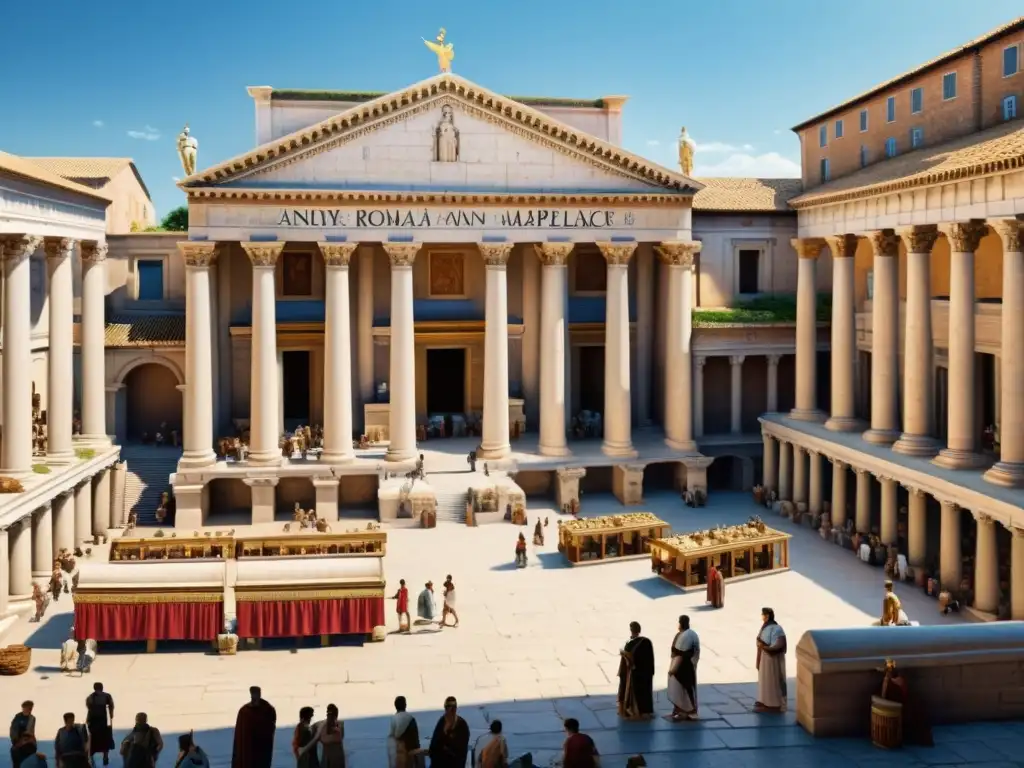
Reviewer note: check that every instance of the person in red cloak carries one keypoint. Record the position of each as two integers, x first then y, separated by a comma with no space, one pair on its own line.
254,733
716,588
402,598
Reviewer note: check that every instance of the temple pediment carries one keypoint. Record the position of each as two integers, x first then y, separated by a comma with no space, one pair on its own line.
444,135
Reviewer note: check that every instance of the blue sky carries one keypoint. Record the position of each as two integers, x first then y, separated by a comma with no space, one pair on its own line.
120,78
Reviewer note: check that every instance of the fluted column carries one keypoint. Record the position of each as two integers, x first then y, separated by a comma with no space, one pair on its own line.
814,500
264,405
16,451
1017,574
198,433
402,412
769,471
1009,471
917,528
862,521
962,424
337,355
63,522
83,512
785,471
799,475
42,542
844,335
773,383
617,418
807,250
92,344
986,566
554,353
950,555
494,442
678,260
918,358
698,395
839,478
885,353
60,394
20,538
890,502
736,412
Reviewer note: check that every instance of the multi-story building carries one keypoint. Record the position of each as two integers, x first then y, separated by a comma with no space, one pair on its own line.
913,199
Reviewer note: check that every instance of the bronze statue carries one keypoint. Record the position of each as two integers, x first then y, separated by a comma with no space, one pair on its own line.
445,51
686,150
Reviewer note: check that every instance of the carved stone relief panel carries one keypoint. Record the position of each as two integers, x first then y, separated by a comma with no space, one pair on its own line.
447,274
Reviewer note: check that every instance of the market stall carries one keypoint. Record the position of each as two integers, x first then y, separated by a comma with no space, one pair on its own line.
216,546
613,537
371,543
738,552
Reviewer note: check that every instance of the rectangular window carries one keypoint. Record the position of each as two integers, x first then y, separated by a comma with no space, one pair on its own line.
890,109
823,136
749,267
1011,60
151,279
949,86
839,129
890,147
1009,108
824,170
863,156
916,101
297,275
916,137
863,120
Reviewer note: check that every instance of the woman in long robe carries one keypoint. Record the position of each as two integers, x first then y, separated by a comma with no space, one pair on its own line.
449,745
330,733
682,673
771,665
636,676
403,737
716,588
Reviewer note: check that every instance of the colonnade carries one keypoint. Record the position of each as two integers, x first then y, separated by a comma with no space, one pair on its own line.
199,256
736,391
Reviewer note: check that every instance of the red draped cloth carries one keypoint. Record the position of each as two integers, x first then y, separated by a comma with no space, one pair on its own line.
148,621
310,618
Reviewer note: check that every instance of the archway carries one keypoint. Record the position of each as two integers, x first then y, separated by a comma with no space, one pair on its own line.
151,399
731,473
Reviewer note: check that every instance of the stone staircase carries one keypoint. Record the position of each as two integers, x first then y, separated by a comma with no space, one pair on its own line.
451,505
149,470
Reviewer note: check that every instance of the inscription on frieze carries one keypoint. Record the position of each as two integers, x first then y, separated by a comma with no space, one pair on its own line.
425,218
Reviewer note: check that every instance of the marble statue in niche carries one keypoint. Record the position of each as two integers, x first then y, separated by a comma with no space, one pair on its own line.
447,277
446,137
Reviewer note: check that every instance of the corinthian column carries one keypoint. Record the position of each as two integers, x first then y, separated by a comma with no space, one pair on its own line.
60,396
494,440
807,250
678,259
617,418
92,345
885,353
337,355
553,351
844,334
16,451
198,437
1010,469
402,410
962,431
264,419
918,362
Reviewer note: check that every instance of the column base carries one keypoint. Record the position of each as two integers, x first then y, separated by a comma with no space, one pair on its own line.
336,457
97,440
1008,474
264,458
881,436
619,450
683,446
494,451
958,458
801,414
197,459
844,424
916,445
63,457
400,454
554,450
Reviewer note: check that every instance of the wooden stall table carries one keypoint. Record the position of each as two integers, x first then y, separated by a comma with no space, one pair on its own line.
613,537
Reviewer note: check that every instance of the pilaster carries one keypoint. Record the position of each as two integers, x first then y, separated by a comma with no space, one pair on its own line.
628,483
567,486
263,498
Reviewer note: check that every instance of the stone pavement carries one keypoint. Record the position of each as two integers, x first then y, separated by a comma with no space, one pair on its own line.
534,646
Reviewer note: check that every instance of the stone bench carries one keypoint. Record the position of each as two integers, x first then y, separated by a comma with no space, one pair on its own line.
964,673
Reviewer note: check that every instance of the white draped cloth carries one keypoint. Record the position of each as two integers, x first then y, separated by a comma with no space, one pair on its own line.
677,694
771,671
399,722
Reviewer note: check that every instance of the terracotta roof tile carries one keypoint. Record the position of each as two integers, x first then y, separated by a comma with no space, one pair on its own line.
19,166
142,331
995,150
83,167
747,195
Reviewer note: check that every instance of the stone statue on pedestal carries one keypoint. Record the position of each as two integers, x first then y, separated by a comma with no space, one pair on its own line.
447,137
188,149
686,150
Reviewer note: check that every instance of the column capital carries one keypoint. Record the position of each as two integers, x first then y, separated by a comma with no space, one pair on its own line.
919,239
59,248
947,503
198,254
402,254
553,254
884,242
617,254
885,479
842,246
495,254
861,471
337,254
837,462
1018,533
678,253
16,248
699,360
983,518
773,359
260,482
964,236
807,247
811,453
263,254
737,359
1009,231
913,490
94,251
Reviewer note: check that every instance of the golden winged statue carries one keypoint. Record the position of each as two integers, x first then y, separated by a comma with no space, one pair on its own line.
445,51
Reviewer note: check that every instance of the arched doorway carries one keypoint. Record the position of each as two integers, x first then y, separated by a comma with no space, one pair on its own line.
151,399
731,473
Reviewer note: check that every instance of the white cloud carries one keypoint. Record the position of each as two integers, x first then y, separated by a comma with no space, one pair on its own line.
653,143
97,123
149,133
718,147
778,131
770,165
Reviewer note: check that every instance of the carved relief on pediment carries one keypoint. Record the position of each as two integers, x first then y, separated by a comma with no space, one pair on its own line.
447,274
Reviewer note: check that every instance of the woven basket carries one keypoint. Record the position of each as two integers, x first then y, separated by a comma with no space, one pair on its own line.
15,660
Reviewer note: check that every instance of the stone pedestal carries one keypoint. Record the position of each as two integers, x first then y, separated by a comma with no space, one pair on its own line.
326,489
697,474
263,498
567,485
190,505
628,483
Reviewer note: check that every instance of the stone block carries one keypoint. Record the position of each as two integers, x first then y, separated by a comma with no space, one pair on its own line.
628,483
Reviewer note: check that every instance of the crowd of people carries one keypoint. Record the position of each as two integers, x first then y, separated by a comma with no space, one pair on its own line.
426,606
